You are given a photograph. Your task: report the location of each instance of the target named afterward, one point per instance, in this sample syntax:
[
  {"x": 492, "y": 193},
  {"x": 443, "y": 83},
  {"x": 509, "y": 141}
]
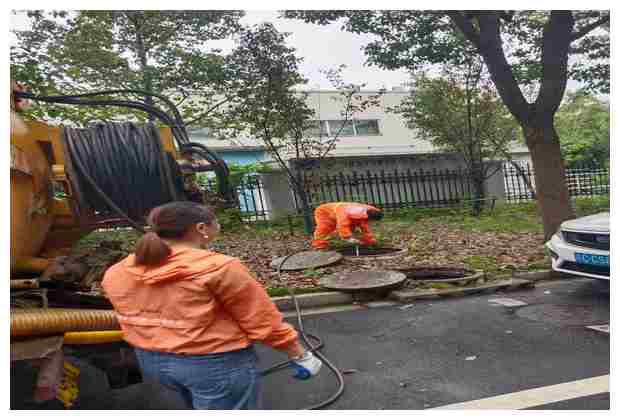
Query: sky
[
  {"x": 325, "y": 47},
  {"x": 322, "y": 47}
]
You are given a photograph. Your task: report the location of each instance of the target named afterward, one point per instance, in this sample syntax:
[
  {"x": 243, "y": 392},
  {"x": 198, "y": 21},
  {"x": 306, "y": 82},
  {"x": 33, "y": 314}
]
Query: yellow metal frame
[{"x": 41, "y": 223}]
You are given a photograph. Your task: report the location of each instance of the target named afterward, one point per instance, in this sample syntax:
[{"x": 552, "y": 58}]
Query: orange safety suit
[
  {"x": 343, "y": 218},
  {"x": 198, "y": 302}
]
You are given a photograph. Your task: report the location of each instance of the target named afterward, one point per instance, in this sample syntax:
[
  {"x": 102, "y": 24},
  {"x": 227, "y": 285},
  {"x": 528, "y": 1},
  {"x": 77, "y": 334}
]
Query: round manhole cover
[
  {"x": 363, "y": 280},
  {"x": 307, "y": 260},
  {"x": 565, "y": 314}
]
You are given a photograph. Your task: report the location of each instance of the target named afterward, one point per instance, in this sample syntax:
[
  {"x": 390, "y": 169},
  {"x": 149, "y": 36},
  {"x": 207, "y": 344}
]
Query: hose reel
[{"x": 121, "y": 168}]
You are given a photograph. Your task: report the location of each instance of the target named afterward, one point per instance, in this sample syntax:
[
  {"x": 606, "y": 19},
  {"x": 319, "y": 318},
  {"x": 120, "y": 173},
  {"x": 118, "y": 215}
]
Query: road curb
[
  {"x": 405, "y": 296},
  {"x": 312, "y": 300},
  {"x": 540, "y": 275}
]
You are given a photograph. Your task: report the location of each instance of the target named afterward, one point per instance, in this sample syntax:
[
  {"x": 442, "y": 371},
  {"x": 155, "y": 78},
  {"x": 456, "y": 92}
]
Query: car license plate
[{"x": 591, "y": 259}]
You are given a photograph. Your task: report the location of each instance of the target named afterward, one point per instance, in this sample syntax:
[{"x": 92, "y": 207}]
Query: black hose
[
  {"x": 313, "y": 348},
  {"x": 175, "y": 123},
  {"x": 106, "y": 153},
  {"x": 165, "y": 165}
]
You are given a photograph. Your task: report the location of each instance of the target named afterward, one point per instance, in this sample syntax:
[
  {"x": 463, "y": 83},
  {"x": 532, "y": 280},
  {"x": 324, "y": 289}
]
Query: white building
[{"x": 375, "y": 132}]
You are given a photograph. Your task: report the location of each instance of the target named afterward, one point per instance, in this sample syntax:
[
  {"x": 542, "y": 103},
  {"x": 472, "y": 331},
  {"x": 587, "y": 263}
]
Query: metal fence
[
  {"x": 582, "y": 181},
  {"x": 250, "y": 194},
  {"x": 392, "y": 190},
  {"x": 395, "y": 190}
]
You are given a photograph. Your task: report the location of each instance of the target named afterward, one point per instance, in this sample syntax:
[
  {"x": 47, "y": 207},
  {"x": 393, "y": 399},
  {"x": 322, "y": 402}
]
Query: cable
[
  {"x": 105, "y": 153},
  {"x": 313, "y": 348}
]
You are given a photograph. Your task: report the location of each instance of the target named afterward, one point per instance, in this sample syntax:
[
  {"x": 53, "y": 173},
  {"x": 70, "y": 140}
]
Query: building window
[
  {"x": 341, "y": 127},
  {"x": 367, "y": 127},
  {"x": 352, "y": 128},
  {"x": 315, "y": 126}
]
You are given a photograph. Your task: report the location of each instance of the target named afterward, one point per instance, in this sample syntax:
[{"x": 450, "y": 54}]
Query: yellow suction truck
[{"x": 65, "y": 183}]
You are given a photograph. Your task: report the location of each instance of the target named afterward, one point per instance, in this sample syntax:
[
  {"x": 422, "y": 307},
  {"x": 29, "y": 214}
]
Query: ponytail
[
  {"x": 151, "y": 250},
  {"x": 171, "y": 221}
]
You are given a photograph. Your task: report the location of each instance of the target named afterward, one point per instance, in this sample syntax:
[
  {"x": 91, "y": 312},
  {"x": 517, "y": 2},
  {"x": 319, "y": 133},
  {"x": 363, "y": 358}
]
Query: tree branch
[
  {"x": 332, "y": 142},
  {"x": 204, "y": 114},
  {"x": 588, "y": 28},
  {"x": 501, "y": 73},
  {"x": 556, "y": 42},
  {"x": 274, "y": 151},
  {"x": 465, "y": 26}
]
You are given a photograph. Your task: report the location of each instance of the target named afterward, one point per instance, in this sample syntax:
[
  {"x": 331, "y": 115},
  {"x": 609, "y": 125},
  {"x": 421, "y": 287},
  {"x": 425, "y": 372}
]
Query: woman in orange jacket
[
  {"x": 192, "y": 314},
  {"x": 344, "y": 218}
]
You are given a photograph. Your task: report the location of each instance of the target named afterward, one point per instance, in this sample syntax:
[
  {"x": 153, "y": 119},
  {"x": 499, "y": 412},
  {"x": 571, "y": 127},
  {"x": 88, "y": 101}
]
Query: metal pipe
[
  {"x": 37, "y": 321},
  {"x": 92, "y": 337}
]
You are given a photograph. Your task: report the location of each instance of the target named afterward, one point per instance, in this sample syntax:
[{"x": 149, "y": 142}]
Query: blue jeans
[{"x": 219, "y": 381}]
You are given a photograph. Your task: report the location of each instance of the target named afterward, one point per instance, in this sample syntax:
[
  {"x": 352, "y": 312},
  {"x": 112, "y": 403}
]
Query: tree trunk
[
  {"x": 306, "y": 210},
  {"x": 478, "y": 184},
  {"x": 549, "y": 173},
  {"x": 147, "y": 81}
]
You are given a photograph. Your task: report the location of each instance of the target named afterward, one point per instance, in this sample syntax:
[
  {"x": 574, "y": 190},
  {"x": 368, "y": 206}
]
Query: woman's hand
[{"x": 296, "y": 351}]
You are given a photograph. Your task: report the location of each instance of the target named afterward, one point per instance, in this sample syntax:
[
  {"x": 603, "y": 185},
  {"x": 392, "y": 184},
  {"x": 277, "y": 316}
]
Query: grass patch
[
  {"x": 585, "y": 206},
  {"x": 412, "y": 215},
  {"x": 544, "y": 264},
  {"x": 312, "y": 273},
  {"x": 505, "y": 218},
  {"x": 487, "y": 264}
]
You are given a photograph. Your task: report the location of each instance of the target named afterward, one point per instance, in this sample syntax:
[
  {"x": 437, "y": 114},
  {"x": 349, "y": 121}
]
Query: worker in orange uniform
[
  {"x": 192, "y": 315},
  {"x": 344, "y": 218}
]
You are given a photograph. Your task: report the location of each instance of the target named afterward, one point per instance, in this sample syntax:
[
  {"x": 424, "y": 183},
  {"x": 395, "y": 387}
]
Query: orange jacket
[
  {"x": 197, "y": 302},
  {"x": 347, "y": 217}
]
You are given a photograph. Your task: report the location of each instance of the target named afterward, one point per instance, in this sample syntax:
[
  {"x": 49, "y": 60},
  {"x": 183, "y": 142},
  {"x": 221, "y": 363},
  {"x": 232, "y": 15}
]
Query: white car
[{"x": 581, "y": 247}]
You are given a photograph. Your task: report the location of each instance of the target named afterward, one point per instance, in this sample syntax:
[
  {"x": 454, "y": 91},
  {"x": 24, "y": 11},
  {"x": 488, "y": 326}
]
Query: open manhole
[
  {"x": 367, "y": 280},
  {"x": 352, "y": 252},
  {"x": 307, "y": 260}
]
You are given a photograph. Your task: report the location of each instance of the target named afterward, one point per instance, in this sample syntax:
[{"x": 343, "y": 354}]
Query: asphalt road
[{"x": 436, "y": 353}]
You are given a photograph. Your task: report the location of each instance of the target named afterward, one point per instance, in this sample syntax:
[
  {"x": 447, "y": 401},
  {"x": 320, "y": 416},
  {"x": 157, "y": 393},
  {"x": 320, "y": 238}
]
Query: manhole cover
[
  {"x": 363, "y": 251},
  {"x": 566, "y": 315},
  {"x": 363, "y": 280},
  {"x": 307, "y": 260}
]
